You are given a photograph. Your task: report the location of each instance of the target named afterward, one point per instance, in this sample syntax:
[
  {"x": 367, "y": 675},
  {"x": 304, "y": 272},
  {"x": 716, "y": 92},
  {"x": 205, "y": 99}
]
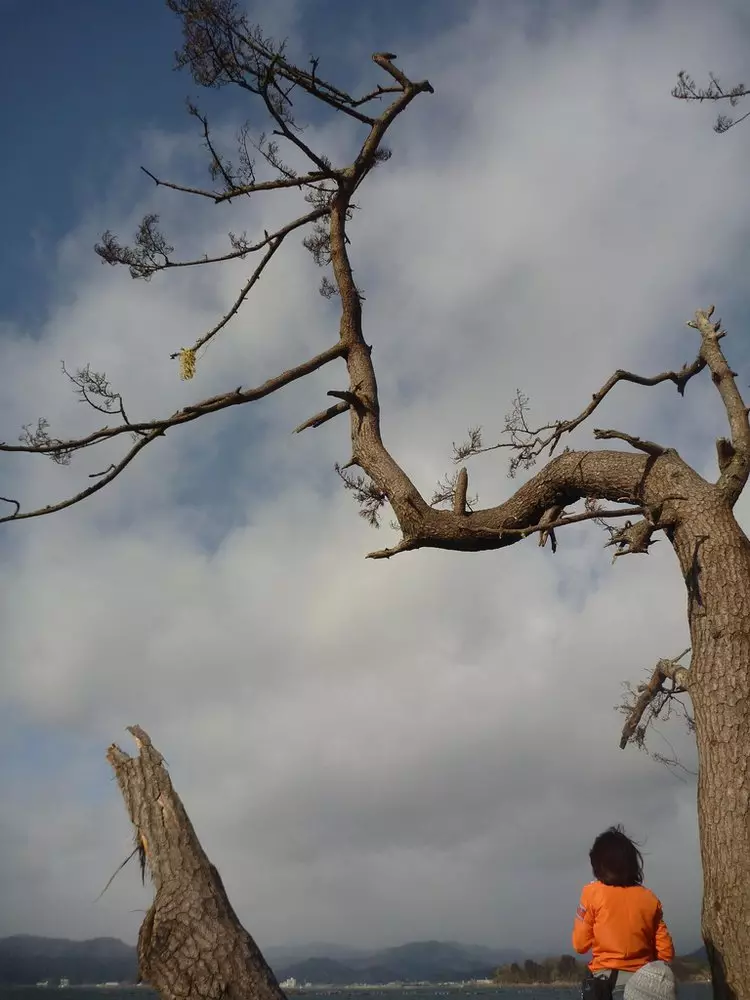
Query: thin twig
[{"x": 117, "y": 871}]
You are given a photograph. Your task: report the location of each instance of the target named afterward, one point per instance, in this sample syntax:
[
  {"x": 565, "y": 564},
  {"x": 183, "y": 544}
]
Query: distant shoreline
[{"x": 332, "y": 990}]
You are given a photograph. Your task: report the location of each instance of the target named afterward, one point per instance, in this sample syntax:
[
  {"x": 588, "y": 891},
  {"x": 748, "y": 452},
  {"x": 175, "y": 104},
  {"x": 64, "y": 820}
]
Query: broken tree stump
[{"x": 191, "y": 943}]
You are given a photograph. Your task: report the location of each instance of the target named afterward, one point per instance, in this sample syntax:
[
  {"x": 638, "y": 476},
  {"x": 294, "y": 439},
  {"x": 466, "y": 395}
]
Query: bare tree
[
  {"x": 688, "y": 90},
  {"x": 645, "y": 483}
]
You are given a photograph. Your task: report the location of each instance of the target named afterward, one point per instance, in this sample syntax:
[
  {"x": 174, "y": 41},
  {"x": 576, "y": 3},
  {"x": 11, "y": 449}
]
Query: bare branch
[
  {"x": 38, "y": 439},
  {"x": 530, "y": 443},
  {"x": 144, "y": 262},
  {"x": 633, "y": 538},
  {"x": 13, "y": 503},
  {"x": 244, "y": 189},
  {"x": 406, "y": 545},
  {"x": 378, "y": 92},
  {"x": 149, "y": 431},
  {"x": 654, "y": 695},
  {"x": 104, "y": 480},
  {"x": 150, "y": 253},
  {"x": 95, "y": 389},
  {"x": 649, "y": 447},
  {"x": 286, "y": 127},
  {"x": 244, "y": 292},
  {"x": 547, "y": 524},
  {"x": 736, "y": 468},
  {"x": 323, "y": 416},
  {"x": 221, "y": 47},
  {"x": 472, "y": 446},
  {"x": 687, "y": 90}
]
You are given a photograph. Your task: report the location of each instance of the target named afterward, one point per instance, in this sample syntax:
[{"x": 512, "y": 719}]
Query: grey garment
[
  {"x": 622, "y": 977},
  {"x": 654, "y": 981}
]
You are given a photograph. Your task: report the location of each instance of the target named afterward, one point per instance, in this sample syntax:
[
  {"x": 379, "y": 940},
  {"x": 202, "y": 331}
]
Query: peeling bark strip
[{"x": 191, "y": 943}]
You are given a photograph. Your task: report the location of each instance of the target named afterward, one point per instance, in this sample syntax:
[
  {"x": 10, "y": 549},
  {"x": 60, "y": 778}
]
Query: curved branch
[
  {"x": 641, "y": 480},
  {"x": 104, "y": 480},
  {"x": 546, "y": 526}
]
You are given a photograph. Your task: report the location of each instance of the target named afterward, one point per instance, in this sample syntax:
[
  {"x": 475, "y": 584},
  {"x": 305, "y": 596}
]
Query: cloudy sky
[{"x": 371, "y": 752}]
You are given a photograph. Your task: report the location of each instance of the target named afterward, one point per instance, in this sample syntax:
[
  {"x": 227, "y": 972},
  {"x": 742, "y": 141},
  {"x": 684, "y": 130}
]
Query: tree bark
[
  {"x": 191, "y": 943},
  {"x": 714, "y": 554}
]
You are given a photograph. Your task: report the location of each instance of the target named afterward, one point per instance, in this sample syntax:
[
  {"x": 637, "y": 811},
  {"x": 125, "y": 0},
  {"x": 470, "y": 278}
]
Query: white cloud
[{"x": 425, "y": 746}]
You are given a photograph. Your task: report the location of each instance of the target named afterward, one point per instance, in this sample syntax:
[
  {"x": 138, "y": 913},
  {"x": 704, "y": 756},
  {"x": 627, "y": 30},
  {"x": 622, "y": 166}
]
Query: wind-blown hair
[{"x": 615, "y": 858}]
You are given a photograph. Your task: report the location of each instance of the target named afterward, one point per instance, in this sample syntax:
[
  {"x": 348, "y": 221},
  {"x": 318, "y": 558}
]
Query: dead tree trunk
[{"x": 191, "y": 943}]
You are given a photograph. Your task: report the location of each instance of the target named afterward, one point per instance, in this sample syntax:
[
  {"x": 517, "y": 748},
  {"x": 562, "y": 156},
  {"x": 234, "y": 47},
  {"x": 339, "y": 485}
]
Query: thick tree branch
[
  {"x": 546, "y": 526},
  {"x": 736, "y": 467},
  {"x": 654, "y": 694}
]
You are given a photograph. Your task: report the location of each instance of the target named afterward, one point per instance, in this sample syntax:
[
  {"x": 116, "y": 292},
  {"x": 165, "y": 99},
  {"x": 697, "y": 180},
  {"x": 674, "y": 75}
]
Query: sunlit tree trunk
[{"x": 191, "y": 945}]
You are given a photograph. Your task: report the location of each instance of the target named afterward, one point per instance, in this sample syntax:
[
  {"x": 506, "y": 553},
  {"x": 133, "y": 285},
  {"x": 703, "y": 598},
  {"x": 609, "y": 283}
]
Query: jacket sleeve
[
  {"x": 664, "y": 943},
  {"x": 583, "y": 926}
]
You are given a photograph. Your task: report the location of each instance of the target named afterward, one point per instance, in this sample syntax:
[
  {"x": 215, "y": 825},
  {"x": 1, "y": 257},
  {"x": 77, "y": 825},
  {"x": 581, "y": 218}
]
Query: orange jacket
[{"x": 622, "y": 926}]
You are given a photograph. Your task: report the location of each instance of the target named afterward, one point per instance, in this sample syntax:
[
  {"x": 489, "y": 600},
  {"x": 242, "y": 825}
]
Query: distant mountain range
[
  {"x": 26, "y": 959},
  {"x": 431, "y": 961}
]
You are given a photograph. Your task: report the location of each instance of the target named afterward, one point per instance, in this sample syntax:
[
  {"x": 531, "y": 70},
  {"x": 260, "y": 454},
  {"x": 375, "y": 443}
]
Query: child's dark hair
[{"x": 615, "y": 858}]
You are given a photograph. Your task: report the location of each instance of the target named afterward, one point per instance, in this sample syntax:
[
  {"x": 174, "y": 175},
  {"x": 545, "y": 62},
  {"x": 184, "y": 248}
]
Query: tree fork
[{"x": 191, "y": 943}]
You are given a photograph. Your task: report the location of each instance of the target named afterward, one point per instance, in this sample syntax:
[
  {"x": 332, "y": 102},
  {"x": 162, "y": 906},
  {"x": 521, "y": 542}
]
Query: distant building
[
  {"x": 289, "y": 984},
  {"x": 63, "y": 984}
]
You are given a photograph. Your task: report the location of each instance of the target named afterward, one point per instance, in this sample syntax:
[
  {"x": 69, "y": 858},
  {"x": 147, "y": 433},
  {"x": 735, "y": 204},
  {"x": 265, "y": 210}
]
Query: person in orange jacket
[{"x": 618, "y": 919}]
